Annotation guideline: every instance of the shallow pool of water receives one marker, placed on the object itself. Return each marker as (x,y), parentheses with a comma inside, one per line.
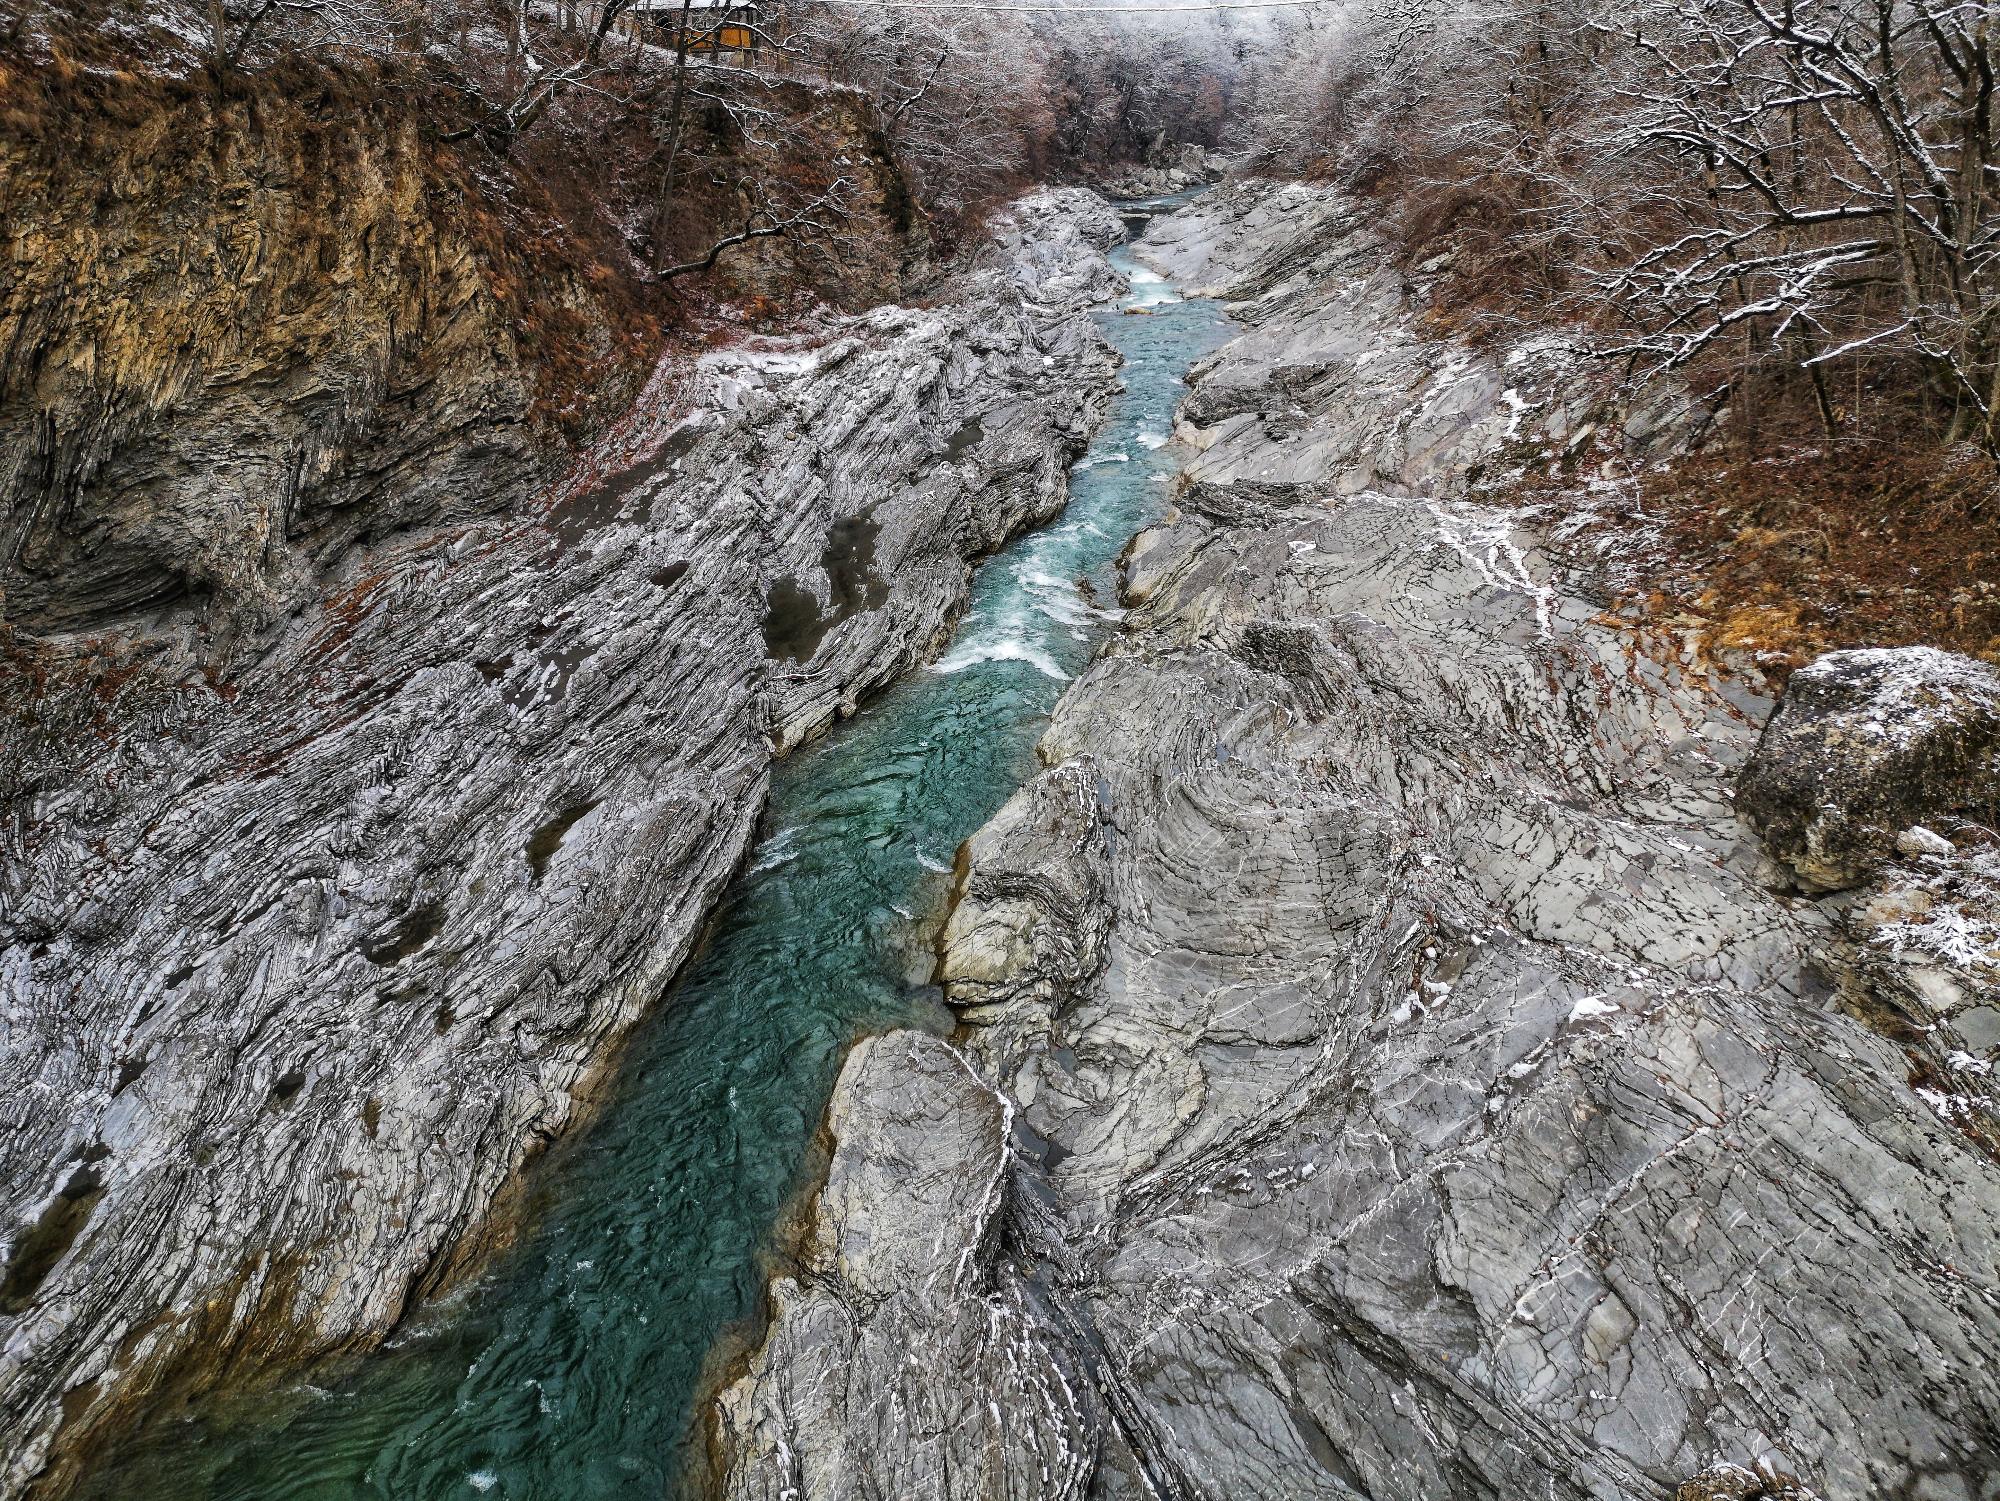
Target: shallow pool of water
(568,1372)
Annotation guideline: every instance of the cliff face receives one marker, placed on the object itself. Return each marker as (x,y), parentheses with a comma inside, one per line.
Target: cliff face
(243,329)
(247,326)
(301,960)
(1388,1065)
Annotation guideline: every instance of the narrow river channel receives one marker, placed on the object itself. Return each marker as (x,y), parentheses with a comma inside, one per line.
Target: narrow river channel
(568,1373)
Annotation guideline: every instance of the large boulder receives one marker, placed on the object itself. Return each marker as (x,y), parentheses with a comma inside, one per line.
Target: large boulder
(1868,748)
(906,1356)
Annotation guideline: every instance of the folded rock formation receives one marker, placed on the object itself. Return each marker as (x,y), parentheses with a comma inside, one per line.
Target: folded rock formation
(1414,1087)
(300,963)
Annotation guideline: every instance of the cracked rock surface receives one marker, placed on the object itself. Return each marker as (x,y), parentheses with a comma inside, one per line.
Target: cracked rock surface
(300,965)
(1417,1089)
(845,1399)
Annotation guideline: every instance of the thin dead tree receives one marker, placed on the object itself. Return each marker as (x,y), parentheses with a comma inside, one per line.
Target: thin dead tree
(761,222)
(236,27)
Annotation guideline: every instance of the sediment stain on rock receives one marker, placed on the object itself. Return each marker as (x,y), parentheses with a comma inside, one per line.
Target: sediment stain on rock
(796,620)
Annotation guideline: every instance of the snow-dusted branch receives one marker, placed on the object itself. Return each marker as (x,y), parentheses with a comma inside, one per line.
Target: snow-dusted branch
(760,223)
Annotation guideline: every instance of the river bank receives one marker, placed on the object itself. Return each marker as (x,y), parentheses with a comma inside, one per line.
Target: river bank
(1387,1062)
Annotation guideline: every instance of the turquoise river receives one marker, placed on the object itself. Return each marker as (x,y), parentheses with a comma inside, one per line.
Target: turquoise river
(570,1370)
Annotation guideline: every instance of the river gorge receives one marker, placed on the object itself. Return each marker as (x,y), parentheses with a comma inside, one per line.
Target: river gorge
(570,1368)
(1033,895)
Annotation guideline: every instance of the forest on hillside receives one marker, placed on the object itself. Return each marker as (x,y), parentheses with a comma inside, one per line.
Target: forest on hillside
(1794,199)
(682,141)
(1789,202)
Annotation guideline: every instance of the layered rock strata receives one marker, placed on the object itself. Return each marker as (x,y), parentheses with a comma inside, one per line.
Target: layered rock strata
(246,323)
(1417,1080)
(300,964)
(239,334)
(1167,170)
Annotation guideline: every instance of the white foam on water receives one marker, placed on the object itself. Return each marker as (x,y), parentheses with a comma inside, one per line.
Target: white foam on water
(1148,289)
(1060,600)
(1007,649)
(1091,462)
(1153,440)
(1060,609)
(1076,528)
(482,1480)
(1064,608)
(778,849)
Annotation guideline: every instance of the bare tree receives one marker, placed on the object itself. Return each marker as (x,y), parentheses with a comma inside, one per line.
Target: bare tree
(1828,166)
(1748,184)
(822,215)
(235,27)
(936,76)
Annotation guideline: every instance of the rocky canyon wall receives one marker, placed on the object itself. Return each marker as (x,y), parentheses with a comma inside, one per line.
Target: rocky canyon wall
(250,324)
(244,329)
(364,781)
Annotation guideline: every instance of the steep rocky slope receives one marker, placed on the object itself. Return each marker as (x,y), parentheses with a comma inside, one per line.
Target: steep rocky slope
(243,331)
(1389,1065)
(249,323)
(300,964)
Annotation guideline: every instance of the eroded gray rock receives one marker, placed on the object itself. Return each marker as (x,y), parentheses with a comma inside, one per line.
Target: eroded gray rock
(1869,756)
(899,1282)
(1418,1092)
(1449,1111)
(1923,962)
(1167,170)
(299,965)
(1336,385)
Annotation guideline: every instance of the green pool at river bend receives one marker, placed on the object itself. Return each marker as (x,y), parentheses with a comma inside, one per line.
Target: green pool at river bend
(568,1372)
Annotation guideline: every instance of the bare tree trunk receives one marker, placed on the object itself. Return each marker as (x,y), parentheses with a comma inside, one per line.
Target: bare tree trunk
(517,25)
(676,129)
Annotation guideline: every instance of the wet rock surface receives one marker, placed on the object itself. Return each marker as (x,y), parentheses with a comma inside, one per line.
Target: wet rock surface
(300,964)
(1418,1089)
